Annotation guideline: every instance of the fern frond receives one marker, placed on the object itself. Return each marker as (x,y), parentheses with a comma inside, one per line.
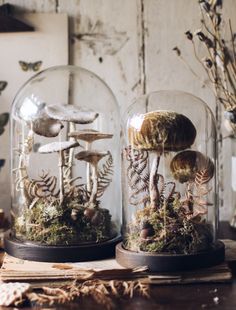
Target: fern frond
(137,175)
(104,174)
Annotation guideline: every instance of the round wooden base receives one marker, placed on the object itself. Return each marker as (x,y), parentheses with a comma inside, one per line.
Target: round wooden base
(170,262)
(65,253)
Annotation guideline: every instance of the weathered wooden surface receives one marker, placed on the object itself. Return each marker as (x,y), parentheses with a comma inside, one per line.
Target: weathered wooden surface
(129,45)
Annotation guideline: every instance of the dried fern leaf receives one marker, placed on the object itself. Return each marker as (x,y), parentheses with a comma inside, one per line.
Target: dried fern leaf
(137,175)
(103,175)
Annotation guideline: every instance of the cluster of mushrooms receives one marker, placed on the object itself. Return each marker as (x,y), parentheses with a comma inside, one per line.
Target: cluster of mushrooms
(48,121)
(159,133)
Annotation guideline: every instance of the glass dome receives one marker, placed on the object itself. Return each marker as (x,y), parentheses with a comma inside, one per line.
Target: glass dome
(65,159)
(170,207)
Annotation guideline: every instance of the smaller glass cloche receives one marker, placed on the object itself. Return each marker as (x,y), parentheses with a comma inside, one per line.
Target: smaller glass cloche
(65,159)
(170,206)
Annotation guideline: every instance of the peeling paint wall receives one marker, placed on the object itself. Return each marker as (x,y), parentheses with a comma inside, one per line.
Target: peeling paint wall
(129,43)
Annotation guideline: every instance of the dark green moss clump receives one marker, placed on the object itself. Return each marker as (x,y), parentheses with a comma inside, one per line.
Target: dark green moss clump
(168,230)
(70,223)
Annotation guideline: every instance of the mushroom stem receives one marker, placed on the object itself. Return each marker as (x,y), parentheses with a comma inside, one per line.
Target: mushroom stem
(88,169)
(61,175)
(93,195)
(153,189)
(23,175)
(72,128)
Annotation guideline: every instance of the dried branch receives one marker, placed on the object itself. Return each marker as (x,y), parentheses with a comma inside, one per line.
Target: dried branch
(220,60)
(102,292)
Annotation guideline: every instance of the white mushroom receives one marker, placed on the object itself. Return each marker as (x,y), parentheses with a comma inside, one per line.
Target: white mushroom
(74,115)
(59,147)
(71,113)
(89,136)
(93,158)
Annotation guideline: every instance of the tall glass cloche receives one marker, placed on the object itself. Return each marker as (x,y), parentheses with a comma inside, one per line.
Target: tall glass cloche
(169,176)
(65,175)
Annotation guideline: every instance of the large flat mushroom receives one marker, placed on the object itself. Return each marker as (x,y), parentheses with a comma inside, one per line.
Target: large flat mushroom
(59,147)
(71,113)
(89,136)
(160,132)
(92,157)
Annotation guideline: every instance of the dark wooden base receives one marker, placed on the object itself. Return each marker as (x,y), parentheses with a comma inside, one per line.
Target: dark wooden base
(65,253)
(170,262)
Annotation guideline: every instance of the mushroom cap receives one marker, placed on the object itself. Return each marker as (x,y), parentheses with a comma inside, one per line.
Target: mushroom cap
(185,165)
(89,135)
(47,127)
(71,113)
(92,156)
(162,131)
(31,110)
(36,118)
(57,146)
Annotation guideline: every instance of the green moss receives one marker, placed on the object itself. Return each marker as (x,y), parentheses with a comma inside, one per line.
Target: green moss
(50,223)
(172,231)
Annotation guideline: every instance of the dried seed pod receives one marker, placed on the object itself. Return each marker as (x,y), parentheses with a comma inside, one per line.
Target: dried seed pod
(161,131)
(201,36)
(208,63)
(189,35)
(185,165)
(177,50)
(12,292)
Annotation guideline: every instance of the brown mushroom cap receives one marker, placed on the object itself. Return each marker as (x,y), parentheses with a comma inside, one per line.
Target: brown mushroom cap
(162,131)
(92,156)
(36,118)
(71,113)
(47,127)
(89,135)
(57,146)
(186,164)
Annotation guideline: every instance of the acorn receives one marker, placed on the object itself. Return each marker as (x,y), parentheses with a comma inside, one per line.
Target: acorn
(89,213)
(97,218)
(146,232)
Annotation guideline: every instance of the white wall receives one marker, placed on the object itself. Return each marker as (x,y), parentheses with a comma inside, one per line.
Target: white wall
(129,44)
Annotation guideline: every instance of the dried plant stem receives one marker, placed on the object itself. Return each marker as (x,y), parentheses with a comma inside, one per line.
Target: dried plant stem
(88,147)
(61,176)
(232,41)
(72,127)
(102,292)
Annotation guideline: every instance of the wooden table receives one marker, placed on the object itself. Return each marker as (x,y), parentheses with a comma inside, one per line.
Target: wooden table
(197,296)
